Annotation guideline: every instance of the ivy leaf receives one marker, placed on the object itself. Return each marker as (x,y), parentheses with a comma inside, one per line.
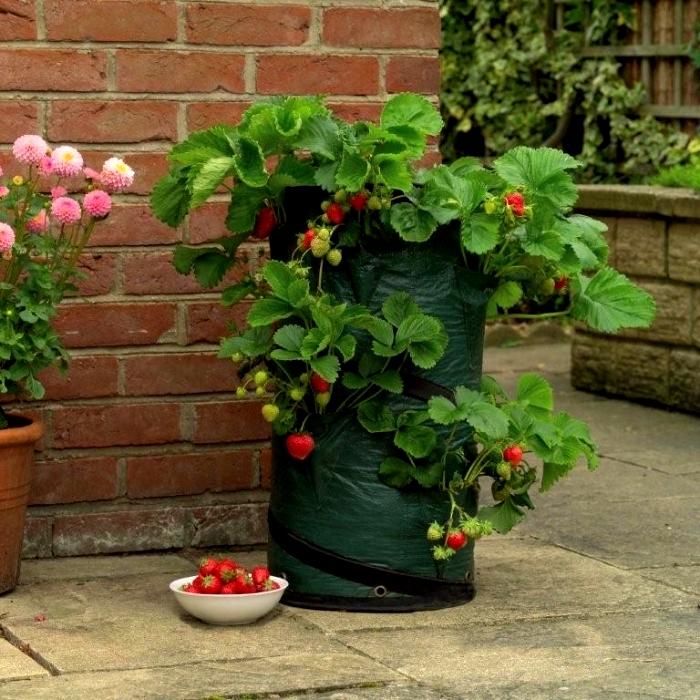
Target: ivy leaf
(375,417)
(480,232)
(418,441)
(412,224)
(504,516)
(609,301)
(327,366)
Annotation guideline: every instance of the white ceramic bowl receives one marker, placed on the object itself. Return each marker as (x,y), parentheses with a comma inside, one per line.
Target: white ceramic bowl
(234,609)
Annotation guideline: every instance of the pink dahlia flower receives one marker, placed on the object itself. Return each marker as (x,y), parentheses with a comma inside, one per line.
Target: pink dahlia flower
(58,191)
(116,175)
(4,191)
(66,210)
(30,149)
(67,162)
(38,223)
(1,170)
(7,237)
(46,165)
(97,203)
(91,174)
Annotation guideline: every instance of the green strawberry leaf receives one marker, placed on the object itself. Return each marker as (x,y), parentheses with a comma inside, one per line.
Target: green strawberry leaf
(279,277)
(237,292)
(412,110)
(609,301)
(170,199)
(398,307)
(319,134)
(375,417)
(507,295)
(265,312)
(536,393)
(389,381)
(211,174)
(350,380)
(395,472)
(290,337)
(327,366)
(412,224)
(480,232)
(255,342)
(353,172)
(418,441)
(504,516)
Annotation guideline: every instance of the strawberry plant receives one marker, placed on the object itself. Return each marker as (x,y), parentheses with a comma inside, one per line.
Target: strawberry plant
(334,197)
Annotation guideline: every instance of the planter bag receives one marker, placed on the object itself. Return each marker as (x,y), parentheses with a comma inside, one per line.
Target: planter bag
(343,539)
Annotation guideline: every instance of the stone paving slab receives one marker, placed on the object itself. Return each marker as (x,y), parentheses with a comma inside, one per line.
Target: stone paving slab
(267,675)
(14,665)
(644,655)
(519,578)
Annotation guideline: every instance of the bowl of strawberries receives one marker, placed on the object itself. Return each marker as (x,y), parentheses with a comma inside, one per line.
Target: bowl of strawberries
(226,593)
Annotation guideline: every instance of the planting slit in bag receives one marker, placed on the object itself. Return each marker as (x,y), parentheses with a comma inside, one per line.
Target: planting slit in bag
(365,336)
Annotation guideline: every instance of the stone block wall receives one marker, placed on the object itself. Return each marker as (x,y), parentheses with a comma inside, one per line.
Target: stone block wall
(146,447)
(654,235)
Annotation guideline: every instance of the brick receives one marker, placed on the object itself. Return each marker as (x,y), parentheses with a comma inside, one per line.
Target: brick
(18,20)
(206,223)
(117,121)
(209,322)
(53,70)
(178,373)
(684,370)
(133,530)
(17,117)
(279,74)
(77,20)
(408,28)
(38,537)
(154,273)
(88,377)
(231,525)
(113,325)
(159,476)
(179,71)
(248,25)
(641,247)
(230,421)
(115,424)
(265,468)
(611,237)
(100,269)
(356,111)
(419,74)
(673,322)
(75,480)
(130,225)
(637,371)
(684,251)
(202,115)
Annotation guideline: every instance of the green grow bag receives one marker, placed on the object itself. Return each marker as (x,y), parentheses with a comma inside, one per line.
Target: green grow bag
(343,539)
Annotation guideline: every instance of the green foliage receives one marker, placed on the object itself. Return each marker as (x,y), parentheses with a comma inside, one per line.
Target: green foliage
(512,76)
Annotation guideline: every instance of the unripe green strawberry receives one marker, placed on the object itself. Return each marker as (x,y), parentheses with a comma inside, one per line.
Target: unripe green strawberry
(319,248)
(324,234)
(490,206)
(323,398)
(504,470)
(340,196)
(260,378)
(374,203)
(442,553)
(238,357)
(334,257)
(547,287)
(260,391)
(302,272)
(270,412)
(435,532)
(296,394)
(499,490)
(241,392)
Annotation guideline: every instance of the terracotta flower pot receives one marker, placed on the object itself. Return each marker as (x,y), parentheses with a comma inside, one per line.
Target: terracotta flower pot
(16,462)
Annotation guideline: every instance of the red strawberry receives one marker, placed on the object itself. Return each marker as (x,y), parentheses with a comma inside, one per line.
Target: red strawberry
(265,223)
(259,575)
(319,384)
(300,445)
(197,583)
(190,588)
(226,570)
(228,588)
(275,585)
(335,213)
(513,454)
(207,566)
(210,585)
(358,201)
(243,584)
(561,283)
(308,238)
(456,540)
(516,202)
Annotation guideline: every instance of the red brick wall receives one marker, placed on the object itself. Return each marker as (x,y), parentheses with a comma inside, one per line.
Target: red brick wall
(146,446)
